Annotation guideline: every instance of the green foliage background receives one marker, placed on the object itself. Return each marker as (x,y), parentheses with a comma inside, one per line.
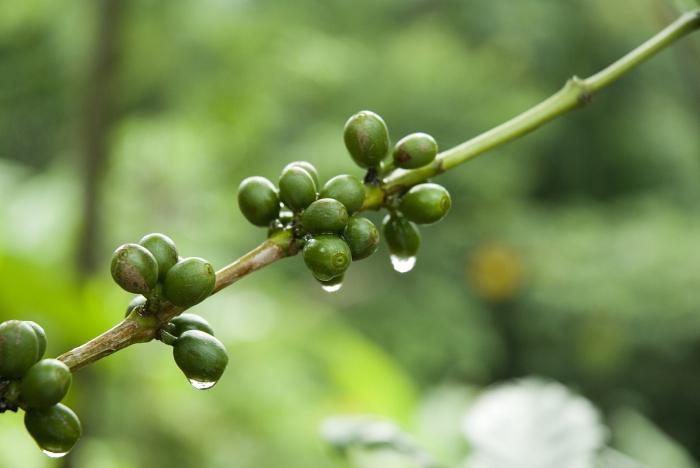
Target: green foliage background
(596,214)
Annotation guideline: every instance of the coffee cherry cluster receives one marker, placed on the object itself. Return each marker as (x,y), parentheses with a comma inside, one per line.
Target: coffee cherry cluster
(153,269)
(323,217)
(200,356)
(37,386)
(367,140)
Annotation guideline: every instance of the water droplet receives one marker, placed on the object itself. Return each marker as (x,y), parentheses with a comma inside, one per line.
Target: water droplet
(51,454)
(331,288)
(403,264)
(201,385)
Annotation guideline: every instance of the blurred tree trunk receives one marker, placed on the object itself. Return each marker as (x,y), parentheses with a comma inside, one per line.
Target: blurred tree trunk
(98,115)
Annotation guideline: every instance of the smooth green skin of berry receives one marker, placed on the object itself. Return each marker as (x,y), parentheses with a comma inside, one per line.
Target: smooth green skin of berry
(200,356)
(414,151)
(297,188)
(402,236)
(426,203)
(134,268)
(45,383)
(40,336)
(327,256)
(134,303)
(258,200)
(362,236)
(189,282)
(308,167)
(347,189)
(325,216)
(163,249)
(186,321)
(366,138)
(55,429)
(19,348)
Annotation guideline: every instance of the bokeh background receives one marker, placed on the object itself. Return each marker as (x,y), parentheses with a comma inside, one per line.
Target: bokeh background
(571,254)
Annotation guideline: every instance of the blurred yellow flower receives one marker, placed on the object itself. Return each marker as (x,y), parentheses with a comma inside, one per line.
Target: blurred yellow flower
(495,272)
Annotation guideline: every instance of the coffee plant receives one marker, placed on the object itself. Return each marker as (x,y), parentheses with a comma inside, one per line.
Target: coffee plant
(322,221)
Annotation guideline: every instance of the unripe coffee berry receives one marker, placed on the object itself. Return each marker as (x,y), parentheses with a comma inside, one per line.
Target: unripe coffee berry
(347,189)
(134,268)
(45,383)
(137,301)
(258,200)
(324,216)
(426,203)
(402,236)
(189,282)
(366,138)
(201,357)
(327,256)
(55,429)
(415,150)
(19,348)
(308,167)
(361,236)
(40,337)
(187,321)
(297,188)
(163,250)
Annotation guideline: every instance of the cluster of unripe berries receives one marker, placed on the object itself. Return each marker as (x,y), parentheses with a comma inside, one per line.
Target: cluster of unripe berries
(325,217)
(153,269)
(37,386)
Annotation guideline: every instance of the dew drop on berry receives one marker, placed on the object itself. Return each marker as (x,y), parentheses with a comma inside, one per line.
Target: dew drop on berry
(201,385)
(403,264)
(331,288)
(51,454)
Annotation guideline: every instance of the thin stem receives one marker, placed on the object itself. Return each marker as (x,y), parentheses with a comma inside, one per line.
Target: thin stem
(575,93)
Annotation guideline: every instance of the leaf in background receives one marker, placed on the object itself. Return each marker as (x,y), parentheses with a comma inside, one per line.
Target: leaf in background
(533,423)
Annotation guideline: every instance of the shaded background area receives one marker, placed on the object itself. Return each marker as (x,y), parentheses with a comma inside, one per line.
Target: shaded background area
(571,254)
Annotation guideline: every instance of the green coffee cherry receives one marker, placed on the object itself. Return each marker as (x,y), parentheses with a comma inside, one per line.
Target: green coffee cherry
(366,138)
(415,150)
(347,189)
(163,250)
(258,200)
(426,203)
(189,282)
(362,237)
(325,215)
(45,383)
(297,188)
(19,348)
(308,167)
(40,336)
(327,256)
(201,357)
(134,268)
(137,301)
(187,321)
(402,236)
(55,429)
